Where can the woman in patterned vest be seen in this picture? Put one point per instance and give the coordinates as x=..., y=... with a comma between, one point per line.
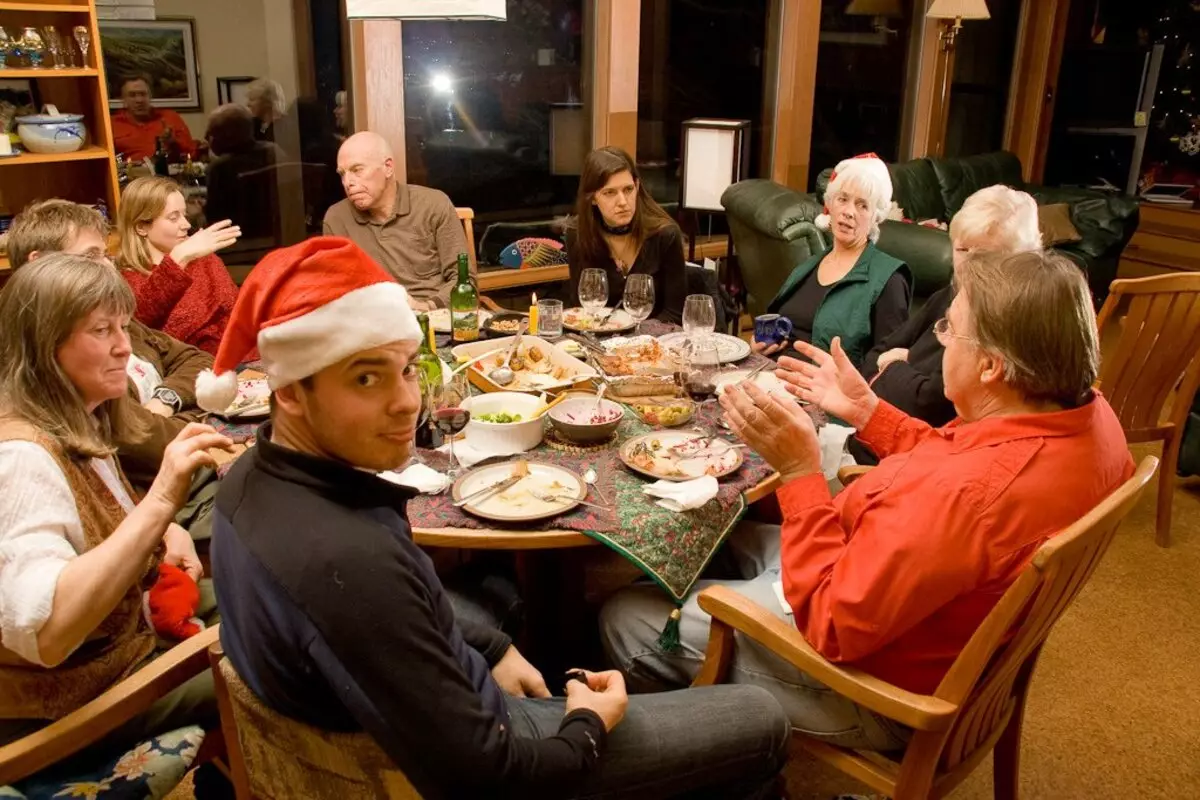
x=77, y=548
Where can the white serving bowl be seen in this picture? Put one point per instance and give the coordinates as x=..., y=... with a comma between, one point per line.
x=504, y=437
x=52, y=133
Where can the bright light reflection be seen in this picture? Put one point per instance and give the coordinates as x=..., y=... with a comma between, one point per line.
x=442, y=83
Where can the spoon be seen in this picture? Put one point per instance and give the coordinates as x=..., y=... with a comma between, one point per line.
x=589, y=478
x=503, y=374
x=600, y=396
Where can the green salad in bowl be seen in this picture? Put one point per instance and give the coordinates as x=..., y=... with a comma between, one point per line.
x=501, y=418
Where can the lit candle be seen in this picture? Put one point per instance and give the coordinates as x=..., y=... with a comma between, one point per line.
x=533, y=317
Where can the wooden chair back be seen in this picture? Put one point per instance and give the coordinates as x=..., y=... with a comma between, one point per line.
x=990, y=679
x=467, y=217
x=272, y=757
x=1157, y=348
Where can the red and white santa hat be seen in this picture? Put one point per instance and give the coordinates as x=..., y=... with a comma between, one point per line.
x=307, y=307
x=866, y=171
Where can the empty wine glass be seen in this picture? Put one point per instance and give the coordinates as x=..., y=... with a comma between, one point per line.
x=84, y=39
x=699, y=315
x=54, y=44
x=593, y=291
x=448, y=413
x=639, y=298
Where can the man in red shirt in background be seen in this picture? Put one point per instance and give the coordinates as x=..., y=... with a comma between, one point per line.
x=137, y=127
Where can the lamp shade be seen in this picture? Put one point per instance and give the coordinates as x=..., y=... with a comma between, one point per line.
x=474, y=10
x=875, y=8
x=716, y=154
x=958, y=9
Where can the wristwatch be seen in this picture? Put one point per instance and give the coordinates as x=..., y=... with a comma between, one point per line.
x=169, y=396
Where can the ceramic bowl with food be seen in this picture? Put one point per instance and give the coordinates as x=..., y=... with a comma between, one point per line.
x=580, y=420
x=500, y=422
x=504, y=324
x=667, y=413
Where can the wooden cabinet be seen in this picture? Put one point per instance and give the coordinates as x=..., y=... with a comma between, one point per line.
x=85, y=176
x=1167, y=241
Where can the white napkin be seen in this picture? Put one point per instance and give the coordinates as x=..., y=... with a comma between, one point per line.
x=468, y=455
x=832, y=439
x=420, y=477
x=683, y=496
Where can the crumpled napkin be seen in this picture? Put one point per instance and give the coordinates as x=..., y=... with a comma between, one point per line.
x=468, y=455
x=685, y=495
x=425, y=480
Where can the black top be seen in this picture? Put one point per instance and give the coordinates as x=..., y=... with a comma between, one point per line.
x=332, y=615
x=801, y=308
x=661, y=256
x=914, y=386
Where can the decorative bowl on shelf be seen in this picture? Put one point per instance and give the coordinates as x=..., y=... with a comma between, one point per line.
x=51, y=132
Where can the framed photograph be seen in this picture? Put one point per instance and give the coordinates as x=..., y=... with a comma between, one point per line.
x=17, y=98
x=233, y=90
x=162, y=49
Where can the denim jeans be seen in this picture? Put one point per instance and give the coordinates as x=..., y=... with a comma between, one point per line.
x=726, y=742
x=632, y=620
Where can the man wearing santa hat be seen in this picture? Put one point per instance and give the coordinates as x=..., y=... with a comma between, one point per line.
x=332, y=615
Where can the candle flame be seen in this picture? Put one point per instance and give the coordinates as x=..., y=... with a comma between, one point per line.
x=535, y=298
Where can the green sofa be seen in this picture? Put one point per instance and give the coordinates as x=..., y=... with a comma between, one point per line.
x=773, y=231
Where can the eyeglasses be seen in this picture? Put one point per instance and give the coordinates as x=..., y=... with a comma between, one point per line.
x=941, y=329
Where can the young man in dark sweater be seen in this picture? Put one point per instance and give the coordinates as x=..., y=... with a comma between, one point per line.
x=332, y=615
x=905, y=369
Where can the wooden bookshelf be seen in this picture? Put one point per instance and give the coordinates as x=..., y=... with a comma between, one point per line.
x=88, y=175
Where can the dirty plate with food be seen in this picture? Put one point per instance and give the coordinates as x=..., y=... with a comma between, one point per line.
x=680, y=455
x=615, y=321
x=764, y=380
x=636, y=355
x=729, y=348
x=521, y=501
x=253, y=401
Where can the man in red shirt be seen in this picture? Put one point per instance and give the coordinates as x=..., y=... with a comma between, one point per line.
x=896, y=574
x=137, y=127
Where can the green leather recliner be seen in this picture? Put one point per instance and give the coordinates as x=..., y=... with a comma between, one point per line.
x=764, y=217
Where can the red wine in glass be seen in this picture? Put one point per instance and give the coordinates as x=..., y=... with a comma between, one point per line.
x=451, y=420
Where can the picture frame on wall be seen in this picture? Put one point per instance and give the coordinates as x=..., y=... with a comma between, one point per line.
x=233, y=89
x=164, y=50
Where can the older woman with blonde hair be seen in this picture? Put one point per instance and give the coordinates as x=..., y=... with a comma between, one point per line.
x=905, y=368
x=852, y=289
x=182, y=287
x=265, y=99
x=895, y=574
x=76, y=548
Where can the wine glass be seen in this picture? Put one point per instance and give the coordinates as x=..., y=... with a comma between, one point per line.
x=593, y=291
x=448, y=413
x=84, y=39
x=639, y=298
x=54, y=44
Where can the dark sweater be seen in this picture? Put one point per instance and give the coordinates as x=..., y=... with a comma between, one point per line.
x=332, y=615
x=913, y=386
x=661, y=256
x=888, y=313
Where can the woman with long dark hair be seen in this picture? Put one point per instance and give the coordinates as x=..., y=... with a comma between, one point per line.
x=617, y=227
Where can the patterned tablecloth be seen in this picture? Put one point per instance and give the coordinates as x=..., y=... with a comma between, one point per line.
x=672, y=548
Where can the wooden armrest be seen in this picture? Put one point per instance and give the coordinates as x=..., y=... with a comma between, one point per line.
x=921, y=712
x=124, y=701
x=490, y=304
x=848, y=475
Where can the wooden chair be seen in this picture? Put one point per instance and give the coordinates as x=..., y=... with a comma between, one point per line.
x=467, y=217
x=272, y=757
x=92, y=722
x=1156, y=358
x=980, y=703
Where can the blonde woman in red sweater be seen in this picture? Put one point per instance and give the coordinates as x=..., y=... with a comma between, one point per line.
x=182, y=287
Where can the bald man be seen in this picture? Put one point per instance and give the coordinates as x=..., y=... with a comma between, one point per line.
x=412, y=231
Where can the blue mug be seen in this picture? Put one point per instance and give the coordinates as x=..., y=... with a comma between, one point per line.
x=772, y=328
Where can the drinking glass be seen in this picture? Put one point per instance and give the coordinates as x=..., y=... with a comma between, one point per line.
x=593, y=291
x=639, y=298
x=699, y=315
x=704, y=360
x=448, y=413
x=550, y=318
x=54, y=44
x=84, y=39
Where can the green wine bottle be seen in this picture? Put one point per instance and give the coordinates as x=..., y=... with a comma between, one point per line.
x=430, y=367
x=464, y=304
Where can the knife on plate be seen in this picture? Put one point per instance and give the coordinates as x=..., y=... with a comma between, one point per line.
x=483, y=494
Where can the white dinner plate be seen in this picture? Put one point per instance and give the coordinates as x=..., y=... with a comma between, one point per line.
x=729, y=348
x=649, y=454
x=517, y=504
x=618, y=321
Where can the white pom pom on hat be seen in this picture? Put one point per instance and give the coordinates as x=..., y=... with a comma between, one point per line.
x=307, y=307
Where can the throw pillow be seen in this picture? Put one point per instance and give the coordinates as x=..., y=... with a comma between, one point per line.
x=1055, y=223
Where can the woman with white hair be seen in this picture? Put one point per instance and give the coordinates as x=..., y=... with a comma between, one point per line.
x=265, y=99
x=905, y=369
x=852, y=290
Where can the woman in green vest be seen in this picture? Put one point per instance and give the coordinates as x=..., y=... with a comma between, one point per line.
x=852, y=289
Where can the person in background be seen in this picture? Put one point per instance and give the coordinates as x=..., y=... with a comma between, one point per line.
x=265, y=101
x=617, y=227
x=76, y=549
x=341, y=115
x=242, y=187
x=182, y=287
x=411, y=231
x=852, y=289
x=905, y=368
x=139, y=126
x=376, y=644
x=162, y=370
x=895, y=574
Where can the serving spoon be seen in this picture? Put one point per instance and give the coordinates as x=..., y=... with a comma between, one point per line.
x=503, y=374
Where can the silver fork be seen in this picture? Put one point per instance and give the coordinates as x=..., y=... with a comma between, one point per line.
x=554, y=498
